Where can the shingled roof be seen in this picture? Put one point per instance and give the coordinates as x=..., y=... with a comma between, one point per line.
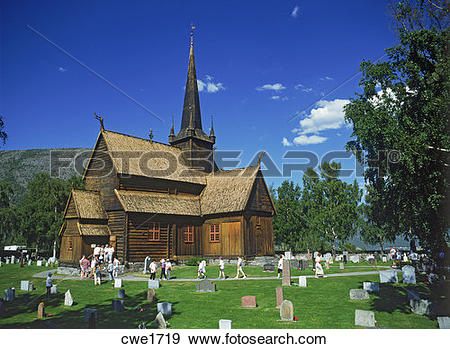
x=148, y=202
x=88, y=204
x=158, y=155
x=93, y=229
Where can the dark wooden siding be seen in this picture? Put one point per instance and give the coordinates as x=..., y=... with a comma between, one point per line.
x=158, y=185
x=190, y=248
x=116, y=224
x=231, y=237
x=260, y=198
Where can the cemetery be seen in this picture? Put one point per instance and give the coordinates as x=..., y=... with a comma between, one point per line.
x=262, y=301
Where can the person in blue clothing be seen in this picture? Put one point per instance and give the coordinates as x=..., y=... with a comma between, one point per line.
x=48, y=284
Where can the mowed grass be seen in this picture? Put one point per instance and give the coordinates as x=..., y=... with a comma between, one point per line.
x=324, y=303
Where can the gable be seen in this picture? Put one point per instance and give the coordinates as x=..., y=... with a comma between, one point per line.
x=260, y=199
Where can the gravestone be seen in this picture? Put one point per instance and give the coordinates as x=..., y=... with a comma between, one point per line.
x=13, y=259
x=153, y=283
x=408, y=274
x=164, y=308
x=387, y=276
x=248, y=302
x=225, y=324
x=1, y=263
x=68, y=299
x=147, y=264
x=88, y=313
x=205, y=286
x=39, y=263
x=47, y=264
x=9, y=294
x=150, y=294
x=26, y=286
x=117, y=283
x=287, y=311
x=54, y=289
x=354, y=259
x=412, y=295
x=302, y=281
x=280, y=297
x=118, y=305
x=341, y=266
x=444, y=322
x=41, y=311
x=371, y=286
x=287, y=255
x=286, y=280
x=339, y=258
x=304, y=264
x=365, y=318
x=421, y=306
x=268, y=267
x=7, y=260
x=160, y=322
x=121, y=293
x=357, y=294
x=30, y=262
x=294, y=264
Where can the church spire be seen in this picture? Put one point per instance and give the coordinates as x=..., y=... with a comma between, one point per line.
x=212, y=136
x=172, y=132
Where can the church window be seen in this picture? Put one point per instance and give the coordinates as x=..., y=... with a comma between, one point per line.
x=214, y=233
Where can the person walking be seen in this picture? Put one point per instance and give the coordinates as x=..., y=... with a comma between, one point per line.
x=153, y=267
x=84, y=265
x=97, y=273
x=280, y=266
x=163, y=270
x=201, y=272
x=48, y=284
x=110, y=270
x=221, y=268
x=168, y=268
x=239, y=268
x=318, y=266
x=116, y=264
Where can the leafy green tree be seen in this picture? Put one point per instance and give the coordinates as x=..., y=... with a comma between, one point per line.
x=401, y=132
x=3, y=135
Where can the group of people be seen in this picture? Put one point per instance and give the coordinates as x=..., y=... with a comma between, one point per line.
x=201, y=271
x=102, y=259
x=166, y=268
x=317, y=266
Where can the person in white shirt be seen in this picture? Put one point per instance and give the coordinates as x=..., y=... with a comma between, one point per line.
x=221, y=268
x=280, y=266
x=97, y=251
x=239, y=268
x=201, y=270
x=116, y=263
x=168, y=269
x=319, y=269
x=153, y=268
x=111, y=252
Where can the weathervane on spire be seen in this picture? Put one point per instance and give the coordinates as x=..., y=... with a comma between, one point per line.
x=99, y=118
x=192, y=34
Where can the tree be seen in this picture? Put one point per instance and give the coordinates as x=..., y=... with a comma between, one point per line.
x=331, y=205
x=400, y=129
x=3, y=135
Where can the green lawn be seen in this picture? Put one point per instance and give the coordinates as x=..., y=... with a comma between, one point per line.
x=323, y=304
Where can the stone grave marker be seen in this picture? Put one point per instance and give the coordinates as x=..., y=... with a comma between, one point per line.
x=421, y=306
x=7, y=260
x=68, y=299
x=41, y=311
x=408, y=274
x=444, y=322
x=9, y=294
x=341, y=266
x=371, y=286
x=147, y=264
x=30, y=262
x=302, y=281
x=225, y=324
x=164, y=308
x=304, y=264
x=357, y=294
x=39, y=263
x=13, y=259
x=153, y=283
x=387, y=276
x=412, y=295
x=268, y=267
x=47, y=264
x=364, y=318
x=205, y=286
x=54, y=289
x=160, y=322
x=26, y=286
x=248, y=302
x=150, y=294
x=280, y=297
x=294, y=264
x=287, y=311
x=88, y=313
x=1, y=263
x=286, y=280
x=117, y=283
x=121, y=293
x=287, y=255
x=354, y=259
x=118, y=305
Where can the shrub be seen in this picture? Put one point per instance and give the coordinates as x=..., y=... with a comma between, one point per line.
x=193, y=261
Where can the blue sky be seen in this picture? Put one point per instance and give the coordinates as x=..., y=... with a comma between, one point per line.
x=259, y=62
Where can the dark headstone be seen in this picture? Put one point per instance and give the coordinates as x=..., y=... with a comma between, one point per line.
x=286, y=280
x=412, y=295
x=92, y=321
x=121, y=293
x=248, y=302
x=150, y=294
x=88, y=313
x=268, y=267
x=118, y=305
x=303, y=264
x=2, y=307
x=280, y=297
x=9, y=294
x=206, y=286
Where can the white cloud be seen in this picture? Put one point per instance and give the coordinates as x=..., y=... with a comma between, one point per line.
x=271, y=87
x=298, y=86
x=286, y=142
x=61, y=69
x=326, y=78
x=209, y=86
x=328, y=115
x=307, y=89
x=275, y=97
x=294, y=12
x=307, y=140
x=303, y=88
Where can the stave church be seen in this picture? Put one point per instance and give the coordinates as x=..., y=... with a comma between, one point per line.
x=147, y=198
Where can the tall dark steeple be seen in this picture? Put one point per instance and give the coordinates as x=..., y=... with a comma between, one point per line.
x=197, y=146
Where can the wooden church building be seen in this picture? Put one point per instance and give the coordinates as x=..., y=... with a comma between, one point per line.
x=167, y=200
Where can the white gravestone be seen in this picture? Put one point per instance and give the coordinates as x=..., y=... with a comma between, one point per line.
x=39, y=263
x=225, y=324
x=68, y=299
x=54, y=289
x=354, y=259
x=387, y=276
x=365, y=318
x=408, y=274
x=288, y=255
x=117, y=283
x=25, y=286
x=164, y=308
x=153, y=283
x=371, y=286
x=444, y=322
x=302, y=281
x=358, y=294
x=287, y=311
